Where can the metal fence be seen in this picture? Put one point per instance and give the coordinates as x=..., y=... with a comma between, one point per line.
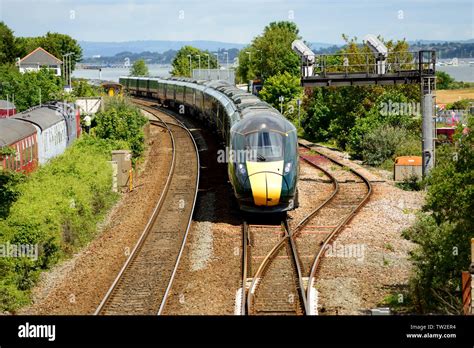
x=215, y=74
x=369, y=63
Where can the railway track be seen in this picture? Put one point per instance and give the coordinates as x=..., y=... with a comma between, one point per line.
x=280, y=270
x=315, y=233
x=144, y=282
x=271, y=263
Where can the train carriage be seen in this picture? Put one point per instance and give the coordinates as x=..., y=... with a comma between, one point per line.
x=265, y=178
x=22, y=139
x=51, y=131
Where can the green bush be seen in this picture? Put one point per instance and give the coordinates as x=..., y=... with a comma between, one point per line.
x=462, y=104
x=410, y=183
x=122, y=121
x=9, y=190
x=444, y=231
x=381, y=144
x=58, y=208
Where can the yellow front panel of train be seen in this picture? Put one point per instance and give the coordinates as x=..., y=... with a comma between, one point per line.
x=265, y=181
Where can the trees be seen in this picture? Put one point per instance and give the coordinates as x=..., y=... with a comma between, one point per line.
x=282, y=85
x=443, y=80
x=121, y=121
x=30, y=88
x=81, y=88
x=27, y=89
x=181, y=65
x=270, y=53
x=347, y=114
x=443, y=232
x=139, y=68
x=8, y=51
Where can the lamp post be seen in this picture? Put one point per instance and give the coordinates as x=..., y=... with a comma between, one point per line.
x=227, y=64
x=68, y=68
x=39, y=89
x=199, y=63
x=190, y=68
x=217, y=62
x=64, y=69
x=208, y=67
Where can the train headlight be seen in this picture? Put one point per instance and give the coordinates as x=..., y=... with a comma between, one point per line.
x=287, y=167
x=242, y=169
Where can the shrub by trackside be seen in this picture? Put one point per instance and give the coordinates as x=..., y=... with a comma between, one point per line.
x=57, y=208
x=122, y=121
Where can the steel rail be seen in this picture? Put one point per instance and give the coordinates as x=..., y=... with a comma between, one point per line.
x=338, y=228
x=181, y=251
x=147, y=228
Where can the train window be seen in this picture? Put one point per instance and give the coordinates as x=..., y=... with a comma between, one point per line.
x=268, y=146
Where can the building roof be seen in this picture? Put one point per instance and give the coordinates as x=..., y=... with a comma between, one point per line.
x=12, y=130
x=40, y=56
x=43, y=117
x=6, y=105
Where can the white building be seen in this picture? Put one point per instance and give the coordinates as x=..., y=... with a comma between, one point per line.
x=40, y=58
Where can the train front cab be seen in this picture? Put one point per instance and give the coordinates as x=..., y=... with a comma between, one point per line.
x=264, y=165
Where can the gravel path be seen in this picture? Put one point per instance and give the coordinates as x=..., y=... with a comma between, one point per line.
x=77, y=286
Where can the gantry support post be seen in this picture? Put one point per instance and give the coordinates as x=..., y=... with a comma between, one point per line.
x=427, y=109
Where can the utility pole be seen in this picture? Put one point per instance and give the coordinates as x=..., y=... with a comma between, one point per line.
x=199, y=63
x=427, y=107
x=227, y=65
x=298, y=102
x=218, y=65
x=190, y=68
x=70, y=70
x=281, y=99
x=64, y=69
x=208, y=67
x=39, y=89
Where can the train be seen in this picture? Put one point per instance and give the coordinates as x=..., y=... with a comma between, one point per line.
x=38, y=135
x=263, y=162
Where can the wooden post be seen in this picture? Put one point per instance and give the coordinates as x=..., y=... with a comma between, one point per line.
x=466, y=292
x=471, y=270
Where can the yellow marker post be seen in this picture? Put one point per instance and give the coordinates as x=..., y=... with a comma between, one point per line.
x=130, y=180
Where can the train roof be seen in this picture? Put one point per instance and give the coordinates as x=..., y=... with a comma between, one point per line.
x=233, y=98
x=12, y=130
x=43, y=117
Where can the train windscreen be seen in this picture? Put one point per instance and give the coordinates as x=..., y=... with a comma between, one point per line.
x=267, y=146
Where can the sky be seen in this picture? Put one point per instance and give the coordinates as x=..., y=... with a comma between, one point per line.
x=238, y=21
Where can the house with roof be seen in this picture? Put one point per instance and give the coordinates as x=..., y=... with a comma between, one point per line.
x=40, y=58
